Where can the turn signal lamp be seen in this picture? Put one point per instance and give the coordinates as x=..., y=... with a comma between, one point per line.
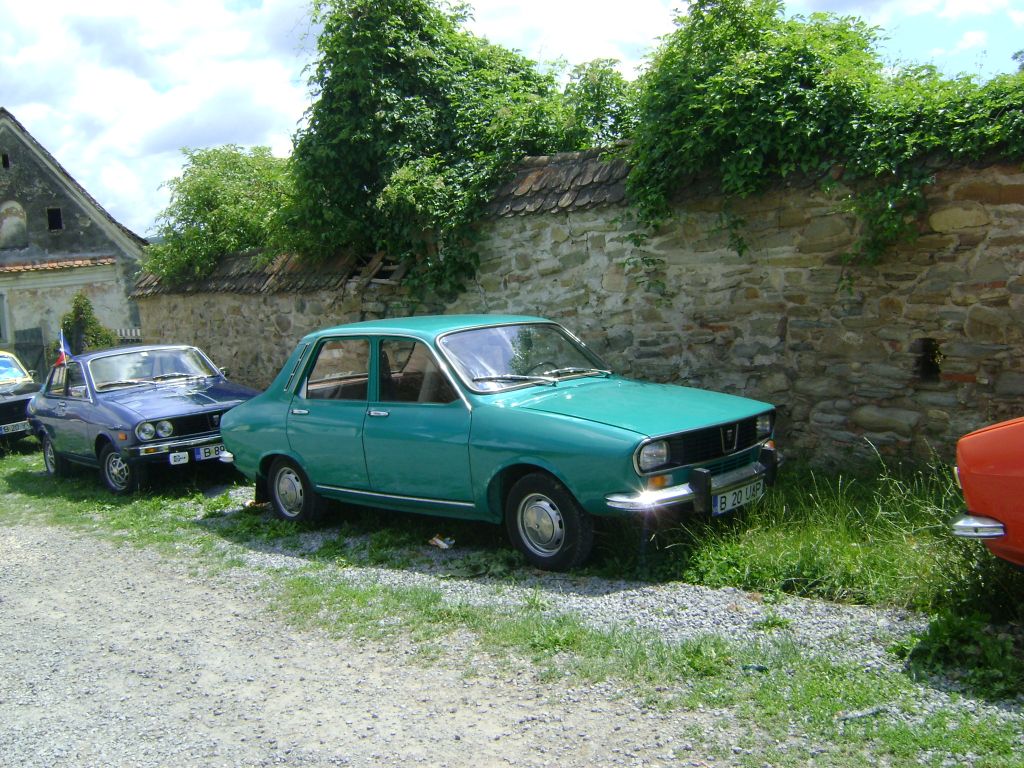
x=658, y=482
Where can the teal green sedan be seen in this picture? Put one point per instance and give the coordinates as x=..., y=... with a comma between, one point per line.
x=505, y=419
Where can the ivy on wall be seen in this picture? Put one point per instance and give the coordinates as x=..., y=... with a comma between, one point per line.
x=754, y=97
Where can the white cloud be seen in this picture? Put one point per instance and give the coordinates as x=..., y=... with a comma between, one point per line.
x=958, y=9
x=577, y=30
x=971, y=40
x=115, y=88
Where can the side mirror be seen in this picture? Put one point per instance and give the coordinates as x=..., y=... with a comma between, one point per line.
x=225, y=372
x=32, y=373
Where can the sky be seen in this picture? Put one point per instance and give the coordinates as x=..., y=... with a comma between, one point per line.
x=114, y=89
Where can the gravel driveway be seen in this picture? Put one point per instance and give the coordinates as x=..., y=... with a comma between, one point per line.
x=116, y=656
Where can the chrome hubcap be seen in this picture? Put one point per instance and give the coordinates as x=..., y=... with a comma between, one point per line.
x=289, y=492
x=541, y=525
x=48, y=457
x=118, y=471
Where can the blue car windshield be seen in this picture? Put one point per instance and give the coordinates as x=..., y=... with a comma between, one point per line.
x=504, y=356
x=148, y=365
x=10, y=369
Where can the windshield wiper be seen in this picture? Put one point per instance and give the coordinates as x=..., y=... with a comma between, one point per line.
x=573, y=369
x=119, y=383
x=517, y=377
x=165, y=376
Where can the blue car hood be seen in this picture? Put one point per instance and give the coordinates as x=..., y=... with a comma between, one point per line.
x=642, y=407
x=154, y=401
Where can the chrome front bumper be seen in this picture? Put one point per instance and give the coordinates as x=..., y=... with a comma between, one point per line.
x=700, y=489
x=970, y=526
x=157, y=449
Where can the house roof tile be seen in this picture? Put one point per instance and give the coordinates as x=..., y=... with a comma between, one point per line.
x=42, y=266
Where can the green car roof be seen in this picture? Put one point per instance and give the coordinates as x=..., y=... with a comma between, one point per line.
x=427, y=327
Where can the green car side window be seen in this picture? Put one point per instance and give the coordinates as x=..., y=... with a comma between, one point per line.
x=341, y=371
x=409, y=374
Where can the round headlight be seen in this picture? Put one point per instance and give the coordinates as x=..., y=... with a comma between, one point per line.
x=145, y=431
x=164, y=428
x=653, y=455
x=764, y=425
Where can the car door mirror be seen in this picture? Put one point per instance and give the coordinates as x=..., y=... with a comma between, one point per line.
x=78, y=391
x=225, y=372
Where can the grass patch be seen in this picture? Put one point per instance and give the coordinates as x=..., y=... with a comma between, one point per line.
x=794, y=710
x=873, y=540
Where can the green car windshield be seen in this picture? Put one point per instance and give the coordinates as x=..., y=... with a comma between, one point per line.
x=504, y=356
x=11, y=370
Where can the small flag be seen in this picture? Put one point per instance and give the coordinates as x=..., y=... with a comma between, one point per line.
x=64, y=354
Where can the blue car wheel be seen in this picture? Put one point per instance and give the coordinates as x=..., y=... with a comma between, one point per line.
x=118, y=474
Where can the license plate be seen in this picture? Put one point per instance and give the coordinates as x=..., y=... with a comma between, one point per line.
x=18, y=426
x=181, y=457
x=209, y=451
x=737, y=497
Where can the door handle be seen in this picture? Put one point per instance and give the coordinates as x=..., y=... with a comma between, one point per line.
x=299, y=411
x=379, y=414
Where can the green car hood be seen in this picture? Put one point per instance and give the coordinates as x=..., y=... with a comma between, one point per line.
x=643, y=407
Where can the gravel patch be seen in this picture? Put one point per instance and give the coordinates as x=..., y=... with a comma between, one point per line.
x=116, y=656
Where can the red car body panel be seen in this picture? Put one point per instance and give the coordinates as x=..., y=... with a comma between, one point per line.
x=990, y=463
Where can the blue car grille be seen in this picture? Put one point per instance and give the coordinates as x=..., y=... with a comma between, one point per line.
x=711, y=443
x=196, y=424
x=12, y=411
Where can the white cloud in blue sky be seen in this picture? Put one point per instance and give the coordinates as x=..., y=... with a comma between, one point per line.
x=114, y=88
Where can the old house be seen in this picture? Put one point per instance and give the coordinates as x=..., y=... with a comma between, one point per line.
x=55, y=241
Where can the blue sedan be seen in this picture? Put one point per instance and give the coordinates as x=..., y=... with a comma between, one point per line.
x=128, y=408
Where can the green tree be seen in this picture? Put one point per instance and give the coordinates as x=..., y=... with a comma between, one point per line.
x=601, y=104
x=82, y=328
x=227, y=199
x=414, y=120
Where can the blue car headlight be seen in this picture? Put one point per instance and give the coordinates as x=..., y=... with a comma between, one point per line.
x=164, y=428
x=145, y=431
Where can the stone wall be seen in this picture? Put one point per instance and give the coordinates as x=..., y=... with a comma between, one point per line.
x=906, y=356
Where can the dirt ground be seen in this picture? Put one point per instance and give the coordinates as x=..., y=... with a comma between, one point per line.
x=114, y=656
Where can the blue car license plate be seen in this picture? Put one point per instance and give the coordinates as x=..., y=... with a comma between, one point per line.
x=205, y=452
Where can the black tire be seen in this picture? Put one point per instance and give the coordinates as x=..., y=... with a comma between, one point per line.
x=56, y=465
x=292, y=495
x=119, y=475
x=547, y=524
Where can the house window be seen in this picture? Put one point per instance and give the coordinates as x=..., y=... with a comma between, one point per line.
x=54, y=219
x=5, y=161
